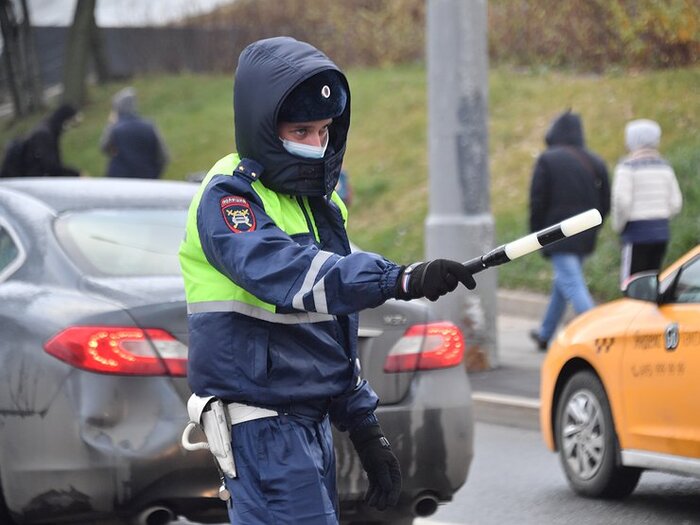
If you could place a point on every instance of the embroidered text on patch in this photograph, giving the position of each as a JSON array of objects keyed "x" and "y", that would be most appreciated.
[{"x": 238, "y": 214}]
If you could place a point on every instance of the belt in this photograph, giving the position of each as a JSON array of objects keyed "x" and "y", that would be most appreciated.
[
  {"x": 313, "y": 410},
  {"x": 240, "y": 413}
]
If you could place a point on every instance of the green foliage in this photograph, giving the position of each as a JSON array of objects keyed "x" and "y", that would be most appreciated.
[
  {"x": 596, "y": 34},
  {"x": 661, "y": 32},
  {"x": 593, "y": 35},
  {"x": 353, "y": 32},
  {"x": 387, "y": 155}
]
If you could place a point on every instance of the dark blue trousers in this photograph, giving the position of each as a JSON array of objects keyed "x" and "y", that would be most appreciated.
[{"x": 286, "y": 473}]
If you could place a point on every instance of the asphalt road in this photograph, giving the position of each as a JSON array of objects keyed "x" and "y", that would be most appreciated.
[{"x": 515, "y": 480}]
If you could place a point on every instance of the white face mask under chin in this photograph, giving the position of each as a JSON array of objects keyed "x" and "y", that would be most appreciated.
[{"x": 304, "y": 150}]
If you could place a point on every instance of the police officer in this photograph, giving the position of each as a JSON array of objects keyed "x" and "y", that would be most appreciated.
[{"x": 273, "y": 292}]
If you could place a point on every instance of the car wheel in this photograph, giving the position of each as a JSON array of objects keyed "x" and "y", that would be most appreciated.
[{"x": 587, "y": 442}]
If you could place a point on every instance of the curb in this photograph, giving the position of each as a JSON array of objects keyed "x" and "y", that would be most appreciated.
[
  {"x": 502, "y": 409},
  {"x": 518, "y": 303},
  {"x": 521, "y": 411},
  {"x": 529, "y": 305}
]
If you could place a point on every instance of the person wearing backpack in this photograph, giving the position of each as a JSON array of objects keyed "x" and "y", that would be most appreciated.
[{"x": 567, "y": 179}]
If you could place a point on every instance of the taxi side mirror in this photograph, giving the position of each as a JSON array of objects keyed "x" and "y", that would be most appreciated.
[{"x": 643, "y": 287}]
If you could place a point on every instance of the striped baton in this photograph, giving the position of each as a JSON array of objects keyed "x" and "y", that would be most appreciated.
[{"x": 530, "y": 243}]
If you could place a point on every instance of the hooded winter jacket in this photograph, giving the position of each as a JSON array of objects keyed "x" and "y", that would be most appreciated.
[
  {"x": 41, "y": 153},
  {"x": 568, "y": 179},
  {"x": 272, "y": 287},
  {"x": 267, "y": 72}
]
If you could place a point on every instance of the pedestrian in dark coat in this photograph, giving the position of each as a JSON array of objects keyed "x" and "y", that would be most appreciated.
[
  {"x": 568, "y": 179},
  {"x": 42, "y": 152},
  {"x": 133, "y": 144}
]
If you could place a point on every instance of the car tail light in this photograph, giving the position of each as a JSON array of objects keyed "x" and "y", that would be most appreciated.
[
  {"x": 120, "y": 350},
  {"x": 426, "y": 347}
]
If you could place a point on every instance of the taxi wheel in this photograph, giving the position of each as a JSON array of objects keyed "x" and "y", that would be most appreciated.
[{"x": 587, "y": 443}]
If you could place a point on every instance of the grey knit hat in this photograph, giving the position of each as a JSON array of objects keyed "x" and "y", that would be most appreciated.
[{"x": 642, "y": 133}]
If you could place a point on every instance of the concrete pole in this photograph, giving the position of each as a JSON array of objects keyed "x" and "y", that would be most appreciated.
[{"x": 459, "y": 225}]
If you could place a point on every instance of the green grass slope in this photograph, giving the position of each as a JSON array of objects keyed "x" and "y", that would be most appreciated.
[{"x": 387, "y": 155}]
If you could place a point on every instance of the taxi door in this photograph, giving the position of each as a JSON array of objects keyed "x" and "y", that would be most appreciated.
[{"x": 661, "y": 372}]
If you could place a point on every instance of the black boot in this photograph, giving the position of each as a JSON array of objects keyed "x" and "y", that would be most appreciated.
[{"x": 541, "y": 343}]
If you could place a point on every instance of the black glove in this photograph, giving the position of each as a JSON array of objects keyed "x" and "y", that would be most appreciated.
[
  {"x": 381, "y": 465},
  {"x": 432, "y": 279}
]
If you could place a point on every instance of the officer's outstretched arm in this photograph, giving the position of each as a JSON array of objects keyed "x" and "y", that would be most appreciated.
[{"x": 242, "y": 242}]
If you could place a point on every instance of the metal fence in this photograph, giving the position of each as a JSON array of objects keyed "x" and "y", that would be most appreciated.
[{"x": 133, "y": 51}]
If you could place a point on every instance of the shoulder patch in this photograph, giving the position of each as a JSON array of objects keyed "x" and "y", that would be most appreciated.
[{"x": 238, "y": 214}]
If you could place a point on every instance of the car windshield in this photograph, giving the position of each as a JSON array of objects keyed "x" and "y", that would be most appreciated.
[{"x": 123, "y": 242}]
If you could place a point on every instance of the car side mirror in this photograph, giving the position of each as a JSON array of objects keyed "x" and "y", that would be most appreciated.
[{"x": 643, "y": 287}]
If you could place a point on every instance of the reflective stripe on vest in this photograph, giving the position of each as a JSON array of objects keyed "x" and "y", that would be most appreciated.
[{"x": 257, "y": 313}]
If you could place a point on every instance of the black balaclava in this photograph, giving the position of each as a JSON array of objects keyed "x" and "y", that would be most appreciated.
[{"x": 269, "y": 72}]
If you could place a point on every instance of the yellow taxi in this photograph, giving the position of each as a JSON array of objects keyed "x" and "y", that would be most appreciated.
[{"x": 620, "y": 386}]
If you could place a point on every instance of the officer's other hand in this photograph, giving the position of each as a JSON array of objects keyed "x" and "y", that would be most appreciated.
[
  {"x": 381, "y": 465},
  {"x": 432, "y": 279}
]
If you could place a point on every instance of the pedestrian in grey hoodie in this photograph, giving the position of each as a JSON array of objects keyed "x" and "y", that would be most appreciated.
[{"x": 133, "y": 144}]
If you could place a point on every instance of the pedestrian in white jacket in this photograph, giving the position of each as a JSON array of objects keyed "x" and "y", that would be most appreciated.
[{"x": 645, "y": 195}]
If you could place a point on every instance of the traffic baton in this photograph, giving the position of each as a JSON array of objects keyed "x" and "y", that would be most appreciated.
[{"x": 533, "y": 242}]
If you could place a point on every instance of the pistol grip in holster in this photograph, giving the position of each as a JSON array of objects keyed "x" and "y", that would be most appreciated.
[{"x": 211, "y": 415}]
